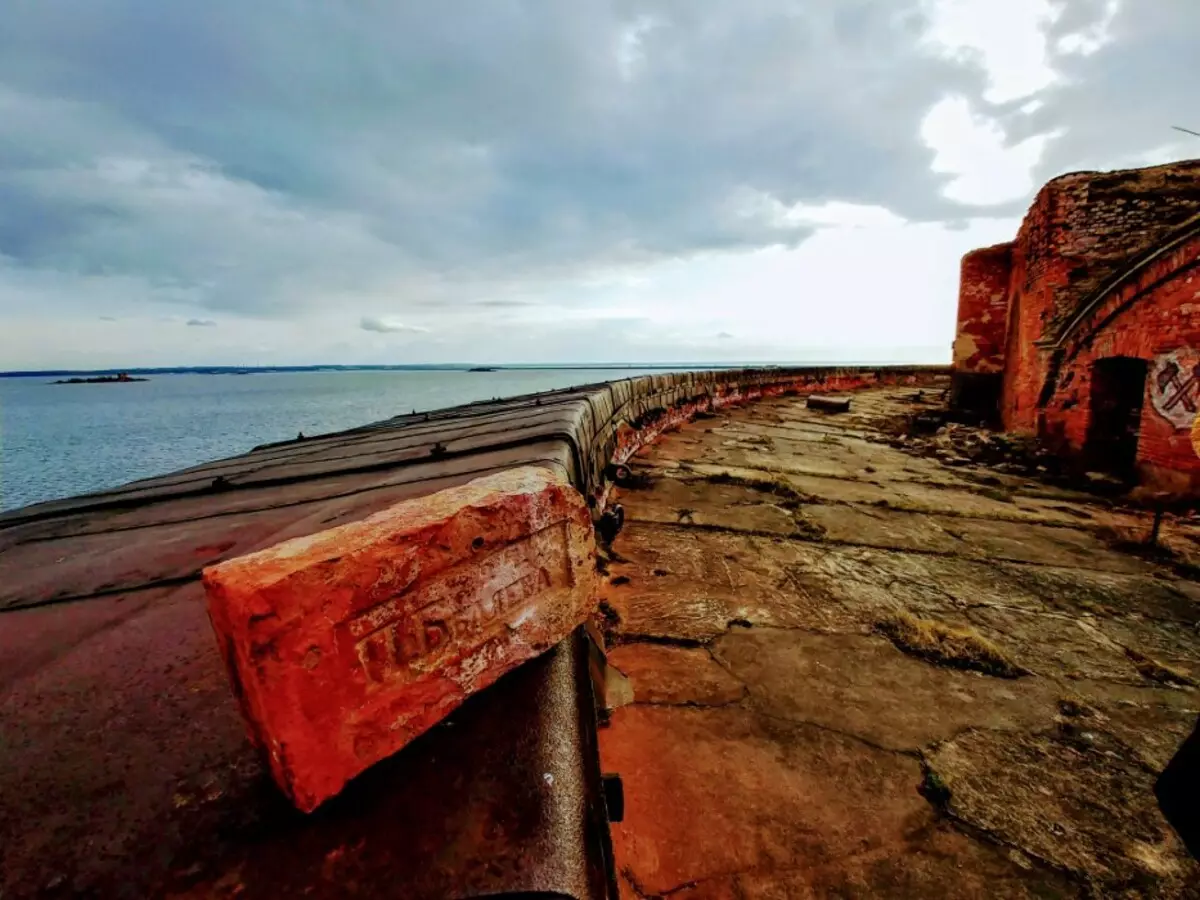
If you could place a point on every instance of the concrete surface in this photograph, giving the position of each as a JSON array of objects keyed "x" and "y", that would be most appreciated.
[{"x": 774, "y": 743}]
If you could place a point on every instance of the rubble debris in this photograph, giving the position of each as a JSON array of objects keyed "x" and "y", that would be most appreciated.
[{"x": 932, "y": 433}]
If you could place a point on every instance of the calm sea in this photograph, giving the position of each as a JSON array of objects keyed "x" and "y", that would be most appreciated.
[{"x": 60, "y": 440}]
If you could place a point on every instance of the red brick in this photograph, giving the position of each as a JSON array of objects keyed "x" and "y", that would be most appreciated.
[
  {"x": 983, "y": 310},
  {"x": 1115, "y": 238},
  {"x": 346, "y": 645}
]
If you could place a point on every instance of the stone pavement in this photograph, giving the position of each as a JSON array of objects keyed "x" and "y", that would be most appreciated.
[{"x": 851, "y": 671}]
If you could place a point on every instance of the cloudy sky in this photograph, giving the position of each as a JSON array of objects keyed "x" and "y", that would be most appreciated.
[{"x": 304, "y": 181}]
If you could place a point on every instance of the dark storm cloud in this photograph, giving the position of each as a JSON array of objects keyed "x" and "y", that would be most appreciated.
[
  {"x": 202, "y": 323},
  {"x": 257, "y": 156}
]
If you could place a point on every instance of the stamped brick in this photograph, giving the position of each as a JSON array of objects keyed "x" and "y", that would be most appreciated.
[{"x": 345, "y": 645}]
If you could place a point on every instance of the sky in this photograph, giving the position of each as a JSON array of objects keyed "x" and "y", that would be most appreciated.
[{"x": 290, "y": 182}]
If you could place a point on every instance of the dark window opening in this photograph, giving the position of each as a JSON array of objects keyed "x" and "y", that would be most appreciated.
[{"x": 1118, "y": 388}]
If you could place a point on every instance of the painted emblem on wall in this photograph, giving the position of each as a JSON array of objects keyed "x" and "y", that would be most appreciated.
[{"x": 1175, "y": 386}]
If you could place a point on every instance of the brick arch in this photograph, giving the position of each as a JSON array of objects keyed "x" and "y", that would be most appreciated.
[{"x": 1118, "y": 302}]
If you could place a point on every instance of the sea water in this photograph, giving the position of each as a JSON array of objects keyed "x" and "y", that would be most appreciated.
[{"x": 58, "y": 440}]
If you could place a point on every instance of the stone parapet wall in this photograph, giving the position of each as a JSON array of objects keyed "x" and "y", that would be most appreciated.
[
  {"x": 573, "y": 429},
  {"x": 627, "y": 415}
]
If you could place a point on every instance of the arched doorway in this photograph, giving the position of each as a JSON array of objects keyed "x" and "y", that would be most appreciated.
[{"x": 1118, "y": 389}]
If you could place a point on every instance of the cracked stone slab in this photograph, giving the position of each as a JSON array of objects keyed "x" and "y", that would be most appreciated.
[
  {"x": 675, "y": 675},
  {"x": 1108, "y": 593},
  {"x": 1150, "y": 721},
  {"x": 1037, "y": 575},
  {"x": 692, "y": 612},
  {"x": 934, "y": 862},
  {"x": 712, "y": 792},
  {"x": 973, "y": 538},
  {"x": 687, "y": 584},
  {"x": 1080, "y": 801},
  {"x": 921, "y": 583},
  {"x": 882, "y": 527},
  {"x": 1055, "y": 646},
  {"x": 851, "y": 684},
  {"x": 1167, "y": 642},
  {"x": 740, "y": 508}
]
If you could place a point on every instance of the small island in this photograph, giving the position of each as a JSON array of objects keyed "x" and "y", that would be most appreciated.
[
  {"x": 483, "y": 369},
  {"x": 121, "y": 378}
]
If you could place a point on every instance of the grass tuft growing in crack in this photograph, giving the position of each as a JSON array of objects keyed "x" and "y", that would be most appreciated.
[
  {"x": 786, "y": 498},
  {"x": 944, "y": 645},
  {"x": 789, "y": 497}
]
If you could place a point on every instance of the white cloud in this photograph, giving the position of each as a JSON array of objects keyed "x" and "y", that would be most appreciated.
[
  {"x": 596, "y": 179},
  {"x": 389, "y": 326},
  {"x": 973, "y": 148},
  {"x": 1008, "y": 40},
  {"x": 1093, "y": 37},
  {"x": 630, "y": 50}
]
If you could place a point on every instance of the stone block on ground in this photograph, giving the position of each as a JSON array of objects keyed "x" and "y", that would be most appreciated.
[
  {"x": 829, "y": 403},
  {"x": 345, "y": 645}
]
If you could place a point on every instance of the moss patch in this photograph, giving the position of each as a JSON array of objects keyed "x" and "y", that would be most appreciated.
[{"x": 943, "y": 645}]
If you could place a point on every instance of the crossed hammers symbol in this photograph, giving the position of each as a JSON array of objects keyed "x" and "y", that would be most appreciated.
[{"x": 1169, "y": 380}]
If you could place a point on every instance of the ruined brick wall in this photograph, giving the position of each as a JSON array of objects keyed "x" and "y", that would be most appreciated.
[
  {"x": 1081, "y": 231},
  {"x": 983, "y": 310},
  {"x": 1154, "y": 316},
  {"x": 1104, "y": 265}
]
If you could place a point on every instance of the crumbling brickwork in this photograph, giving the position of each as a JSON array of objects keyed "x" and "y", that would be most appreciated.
[
  {"x": 1104, "y": 266},
  {"x": 983, "y": 310}
]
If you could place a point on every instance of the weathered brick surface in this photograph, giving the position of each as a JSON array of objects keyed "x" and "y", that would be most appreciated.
[
  {"x": 1086, "y": 240},
  {"x": 983, "y": 310},
  {"x": 1154, "y": 316},
  {"x": 1081, "y": 230},
  {"x": 346, "y": 645}
]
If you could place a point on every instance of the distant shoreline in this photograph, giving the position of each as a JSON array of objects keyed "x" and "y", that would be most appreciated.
[
  {"x": 464, "y": 367},
  {"x": 442, "y": 367}
]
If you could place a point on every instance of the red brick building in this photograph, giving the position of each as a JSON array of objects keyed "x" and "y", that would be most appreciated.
[{"x": 1085, "y": 330}]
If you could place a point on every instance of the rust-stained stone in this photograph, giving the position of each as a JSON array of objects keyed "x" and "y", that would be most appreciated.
[
  {"x": 675, "y": 675},
  {"x": 712, "y": 792},
  {"x": 676, "y": 583},
  {"x": 347, "y": 644}
]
